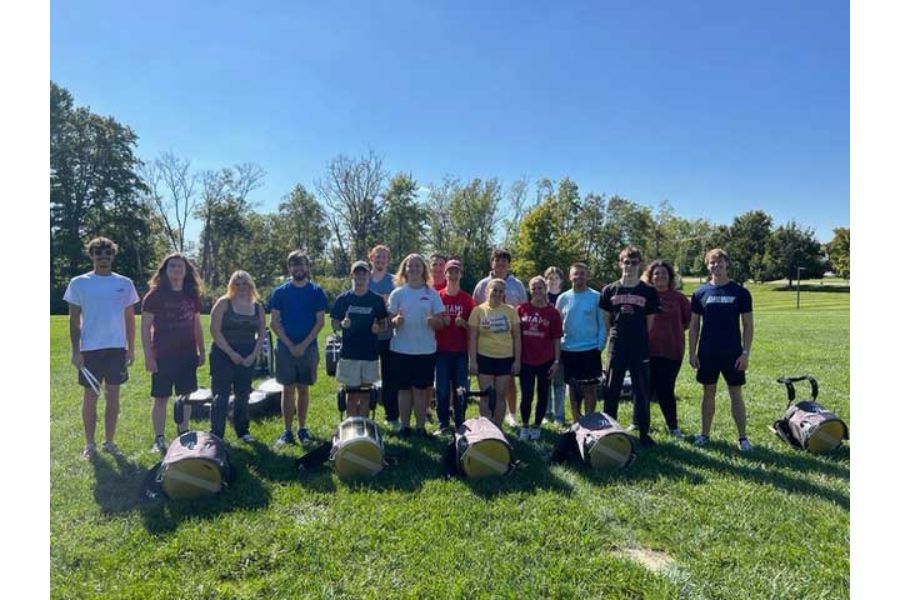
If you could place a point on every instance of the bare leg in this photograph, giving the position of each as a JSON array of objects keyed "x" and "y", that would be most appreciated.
[
  {"x": 287, "y": 406},
  {"x": 89, "y": 414},
  {"x": 511, "y": 396},
  {"x": 708, "y": 408},
  {"x": 302, "y": 405},
  {"x": 575, "y": 402},
  {"x": 111, "y": 414},
  {"x": 738, "y": 410},
  {"x": 590, "y": 398},
  {"x": 502, "y": 383},
  {"x": 484, "y": 382},
  {"x": 404, "y": 400},
  {"x": 421, "y": 403},
  {"x": 158, "y": 416}
]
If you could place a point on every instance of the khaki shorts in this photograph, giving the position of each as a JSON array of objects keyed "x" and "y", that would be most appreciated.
[{"x": 354, "y": 373}]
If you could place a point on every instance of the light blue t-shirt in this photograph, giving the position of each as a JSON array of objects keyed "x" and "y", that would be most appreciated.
[
  {"x": 583, "y": 324},
  {"x": 383, "y": 288}
]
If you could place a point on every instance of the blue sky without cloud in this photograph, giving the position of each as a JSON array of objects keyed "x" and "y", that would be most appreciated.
[{"x": 717, "y": 107}]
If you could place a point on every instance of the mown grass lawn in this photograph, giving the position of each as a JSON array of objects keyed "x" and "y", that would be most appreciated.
[{"x": 681, "y": 522}]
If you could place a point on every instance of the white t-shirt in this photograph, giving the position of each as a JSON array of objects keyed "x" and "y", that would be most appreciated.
[
  {"x": 103, "y": 300},
  {"x": 416, "y": 304}
]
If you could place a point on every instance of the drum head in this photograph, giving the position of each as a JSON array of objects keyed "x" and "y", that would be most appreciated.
[
  {"x": 360, "y": 457},
  {"x": 826, "y": 437},
  {"x": 189, "y": 479},
  {"x": 612, "y": 451},
  {"x": 486, "y": 458}
]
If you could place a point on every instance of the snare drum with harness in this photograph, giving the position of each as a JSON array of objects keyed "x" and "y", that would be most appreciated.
[
  {"x": 808, "y": 425},
  {"x": 357, "y": 448},
  {"x": 479, "y": 448},
  {"x": 196, "y": 465},
  {"x": 599, "y": 441},
  {"x": 333, "y": 344}
]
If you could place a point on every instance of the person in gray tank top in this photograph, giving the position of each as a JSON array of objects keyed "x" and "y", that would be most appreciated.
[{"x": 238, "y": 327}]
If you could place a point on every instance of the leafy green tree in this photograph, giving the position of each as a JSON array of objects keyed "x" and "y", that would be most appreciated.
[
  {"x": 745, "y": 241},
  {"x": 839, "y": 252},
  {"x": 94, "y": 190},
  {"x": 790, "y": 247},
  {"x": 403, "y": 219},
  {"x": 301, "y": 215}
]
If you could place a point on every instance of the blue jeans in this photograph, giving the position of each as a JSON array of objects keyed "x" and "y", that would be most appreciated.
[
  {"x": 556, "y": 408},
  {"x": 451, "y": 372}
]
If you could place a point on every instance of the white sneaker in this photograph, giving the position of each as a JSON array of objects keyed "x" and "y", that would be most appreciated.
[
  {"x": 511, "y": 420},
  {"x": 536, "y": 434},
  {"x": 247, "y": 438},
  {"x": 744, "y": 445},
  {"x": 676, "y": 433},
  {"x": 90, "y": 450},
  {"x": 159, "y": 444},
  {"x": 701, "y": 440}
]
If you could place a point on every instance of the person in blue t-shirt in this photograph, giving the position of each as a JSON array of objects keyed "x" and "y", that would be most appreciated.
[
  {"x": 358, "y": 313},
  {"x": 298, "y": 314},
  {"x": 726, "y": 311}
]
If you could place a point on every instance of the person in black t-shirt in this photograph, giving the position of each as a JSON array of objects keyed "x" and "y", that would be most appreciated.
[
  {"x": 725, "y": 308},
  {"x": 628, "y": 306},
  {"x": 358, "y": 313}
]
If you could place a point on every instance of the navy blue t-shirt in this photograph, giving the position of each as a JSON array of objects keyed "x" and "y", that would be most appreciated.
[
  {"x": 298, "y": 307},
  {"x": 359, "y": 343},
  {"x": 721, "y": 307}
]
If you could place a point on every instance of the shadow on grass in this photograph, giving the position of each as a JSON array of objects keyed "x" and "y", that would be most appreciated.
[
  {"x": 119, "y": 486},
  {"x": 815, "y": 288}
]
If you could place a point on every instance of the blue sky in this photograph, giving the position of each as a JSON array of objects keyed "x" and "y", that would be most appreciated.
[{"x": 717, "y": 107}]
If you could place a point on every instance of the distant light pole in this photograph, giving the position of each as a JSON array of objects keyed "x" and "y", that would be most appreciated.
[{"x": 798, "y": 285}]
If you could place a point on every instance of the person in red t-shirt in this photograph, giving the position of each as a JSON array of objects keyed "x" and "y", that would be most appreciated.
[
  {"x": 452, "y": 348},
  {"x": 667, "y": 340},
  {"x": 172, "y": 338},
  {"x": 541, "y": 326}
]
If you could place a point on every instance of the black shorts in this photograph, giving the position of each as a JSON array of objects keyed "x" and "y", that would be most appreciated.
[
  {"x": 106, "y": 365},
  {"x": 711, "y": 366},
  {"x": 178, "y": 372},
  {"x": 581, "y": 365},
  {"x": 412, "y": 370},
  {"x": 494, "y": 366}
]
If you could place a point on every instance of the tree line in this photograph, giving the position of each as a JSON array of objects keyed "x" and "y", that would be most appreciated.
[{"x": 98, "y": 186}]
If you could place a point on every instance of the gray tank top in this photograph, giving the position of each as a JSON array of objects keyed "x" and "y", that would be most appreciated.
[{"x": 240, "y": 329}]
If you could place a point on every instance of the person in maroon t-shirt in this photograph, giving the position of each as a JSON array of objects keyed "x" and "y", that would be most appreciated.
[
  {"x": 452, "y": 348},
  {"x": 172, "y": 338},
  {"x": 667, "y": 340},
  {"x": 541, "y": 326}
]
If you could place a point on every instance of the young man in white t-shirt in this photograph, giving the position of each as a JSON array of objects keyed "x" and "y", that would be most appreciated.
[{"x": 101, "y": 330}]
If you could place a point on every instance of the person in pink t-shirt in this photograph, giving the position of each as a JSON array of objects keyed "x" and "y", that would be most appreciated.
[{"x": 541, "y": 327}]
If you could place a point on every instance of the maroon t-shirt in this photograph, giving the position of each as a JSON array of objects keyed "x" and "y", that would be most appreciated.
[
  {"x": 667, "y": 333},
  {"x": 452, "y": 337},
  {"x": 172, "y": 333},
  {"x": 539, "y": 326}
]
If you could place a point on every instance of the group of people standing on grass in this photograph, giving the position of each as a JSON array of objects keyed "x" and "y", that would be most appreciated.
[{"x": 422, "y": 336}]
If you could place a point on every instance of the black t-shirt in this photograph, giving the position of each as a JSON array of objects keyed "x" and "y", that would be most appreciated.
[
  {"x": 359, "y": 343},
  {"x": 551, "y": 297},
  {"x": 721, "y": 307},
  {"x": 629, "y": 307}
]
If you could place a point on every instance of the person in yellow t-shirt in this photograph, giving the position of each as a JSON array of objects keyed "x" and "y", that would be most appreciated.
[{"x": 495, "y": 347}]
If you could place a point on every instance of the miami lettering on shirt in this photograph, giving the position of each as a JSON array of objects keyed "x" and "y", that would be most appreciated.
[
  {"x": 534, "y": 325},
  {"x": 627, "y": 302}
]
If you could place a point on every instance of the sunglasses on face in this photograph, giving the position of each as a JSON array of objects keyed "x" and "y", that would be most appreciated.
[{"x": 103, "y": 252}]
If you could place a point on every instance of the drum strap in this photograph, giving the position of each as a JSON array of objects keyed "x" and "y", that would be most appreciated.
[
  {"x": 488, "y": 461},
  {"x": 195, "y": 481},
  {"x": 362, "y": 462}
]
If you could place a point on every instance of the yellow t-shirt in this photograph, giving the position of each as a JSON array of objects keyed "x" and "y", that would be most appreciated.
[{"x": 494, "y": 329}]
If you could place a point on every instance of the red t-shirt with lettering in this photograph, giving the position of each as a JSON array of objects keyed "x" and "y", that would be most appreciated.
[
  {"x": 452, "y": 337},
  {"x": 540, "y": 326}
]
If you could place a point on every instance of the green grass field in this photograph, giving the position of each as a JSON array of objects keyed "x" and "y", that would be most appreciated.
[{"x": 682, "y": 522}]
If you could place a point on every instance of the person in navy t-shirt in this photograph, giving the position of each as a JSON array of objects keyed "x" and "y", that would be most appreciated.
[{"x": 726, "y": 312}]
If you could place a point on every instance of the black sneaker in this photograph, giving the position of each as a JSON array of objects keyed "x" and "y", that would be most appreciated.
[
  {"x": 405, "y": 432},
  {"x": 419, "y": 432},
  {"x": 646, "y": 441},
  {"x": 286, "y": 438}
]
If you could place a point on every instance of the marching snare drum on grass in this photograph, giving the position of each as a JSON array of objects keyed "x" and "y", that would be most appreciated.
[
  {"x": 357, "y": 448},
  {"x": 807, "y": 425}
]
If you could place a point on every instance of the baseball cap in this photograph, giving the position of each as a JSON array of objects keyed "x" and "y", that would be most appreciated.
[
  {"x": 360, "y": 264},
  {"x": 453, "y": 264}
]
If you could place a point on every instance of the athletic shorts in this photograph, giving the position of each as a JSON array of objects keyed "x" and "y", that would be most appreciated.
[
  {"x": 106, "y": 365},
  {"x": 711, "y": 366},
  {"x": 494, "y": 366},
  {"x": 413, "y": 370},
  {"x": 581, "y": 365},
  {"x": 294, "y": 370},
  {"x": 354, "y": 373},
  {"x": 179, "y": 373}
]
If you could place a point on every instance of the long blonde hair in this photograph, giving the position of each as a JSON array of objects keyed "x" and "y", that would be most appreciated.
[
  {"x": 401, "y": 279},
  {"x": 236, "y": 277}
]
